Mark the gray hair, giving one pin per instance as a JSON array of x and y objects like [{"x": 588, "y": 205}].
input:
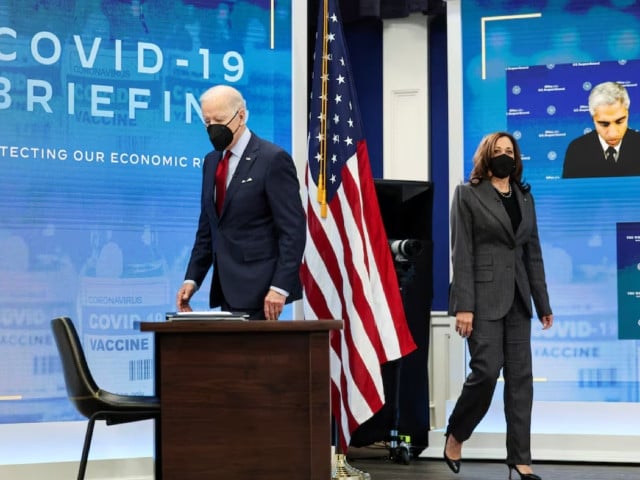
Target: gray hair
[
  {"x": 233, "y": 97},
  {"x": 608, "y": 93}
]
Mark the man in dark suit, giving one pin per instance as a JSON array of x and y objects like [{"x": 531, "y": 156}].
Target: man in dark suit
[
  {"x": 612, "y": 150},
  {"x": 253, "y": 231}
]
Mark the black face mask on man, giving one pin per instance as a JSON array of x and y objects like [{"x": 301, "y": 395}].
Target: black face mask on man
[
  {"x": 221, "y": 135},
  {"x": 502, "y": 166}
]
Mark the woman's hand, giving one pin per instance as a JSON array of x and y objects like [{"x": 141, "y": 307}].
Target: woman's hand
[
  {"x": 547, "y": 321},
  {"x": 464, "y": 323}
]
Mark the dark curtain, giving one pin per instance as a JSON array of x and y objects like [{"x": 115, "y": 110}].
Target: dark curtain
[
  {"x": 403, "y": 8},
  {"x": 352, "y": 10}
]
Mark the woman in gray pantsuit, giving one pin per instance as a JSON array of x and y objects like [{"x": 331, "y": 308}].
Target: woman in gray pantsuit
[{"x": 497, "y": 270}]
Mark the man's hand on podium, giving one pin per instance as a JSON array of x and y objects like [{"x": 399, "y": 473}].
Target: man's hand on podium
[
  {"x": 273, "y": 305},
  {"x": 184, "y": 295}
]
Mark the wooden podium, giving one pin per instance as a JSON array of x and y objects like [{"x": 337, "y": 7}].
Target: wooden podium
[{"x": 243, "y": 399}]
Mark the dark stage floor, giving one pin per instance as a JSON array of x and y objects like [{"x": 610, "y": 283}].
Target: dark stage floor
[{"x": 375, "y": 461}]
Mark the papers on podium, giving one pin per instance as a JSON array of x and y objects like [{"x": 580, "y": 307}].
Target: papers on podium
[{"x": 206, "y": 315}]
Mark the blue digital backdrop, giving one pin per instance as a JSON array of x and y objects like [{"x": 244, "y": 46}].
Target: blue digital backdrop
[
  {"x": 531, "y": 76},
  {"x": 101, "y": 148}
]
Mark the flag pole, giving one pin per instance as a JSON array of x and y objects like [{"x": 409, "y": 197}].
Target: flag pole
[{"x": 322, "y": 177}]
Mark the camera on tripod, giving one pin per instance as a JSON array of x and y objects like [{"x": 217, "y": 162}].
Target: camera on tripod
[{"x": 406, "y": 250}]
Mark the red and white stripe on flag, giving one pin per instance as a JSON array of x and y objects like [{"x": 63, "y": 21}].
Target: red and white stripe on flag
[{"x": 347, "y": 272}]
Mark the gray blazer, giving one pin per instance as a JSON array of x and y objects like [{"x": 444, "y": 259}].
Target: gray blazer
[{"x": 490, "y": 260}]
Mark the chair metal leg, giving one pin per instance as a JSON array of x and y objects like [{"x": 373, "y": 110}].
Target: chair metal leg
[
  {"x": 85, "y": 448},
  {"x": 158, "y": 449}
]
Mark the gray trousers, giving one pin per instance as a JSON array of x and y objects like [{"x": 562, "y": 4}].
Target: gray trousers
[{"x": 493, "y": 345}]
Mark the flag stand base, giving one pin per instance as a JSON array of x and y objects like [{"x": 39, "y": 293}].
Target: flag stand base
[{"x": 344, "y": 471}]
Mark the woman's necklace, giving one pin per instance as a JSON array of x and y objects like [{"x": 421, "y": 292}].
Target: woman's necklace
[{"x": 505, "y": 194}]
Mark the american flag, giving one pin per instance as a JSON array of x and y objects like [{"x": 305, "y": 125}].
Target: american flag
[{"x": 348, "y": 272}]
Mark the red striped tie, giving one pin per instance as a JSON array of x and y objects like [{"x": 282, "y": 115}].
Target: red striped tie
[{"x": 221, "y": 181}]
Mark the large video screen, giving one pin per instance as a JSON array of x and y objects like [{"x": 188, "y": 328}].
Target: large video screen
[
  {"x": 101, "y": 150},
  {"x": 547, "y": 108},
  {"x": 531, "y": 75}
]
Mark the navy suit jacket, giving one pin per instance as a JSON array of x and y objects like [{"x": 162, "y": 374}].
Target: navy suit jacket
[
  {"x": 259, "y": 238},
  {"x": 585, "y": 157},
  {"x": 489, "y": 259}
]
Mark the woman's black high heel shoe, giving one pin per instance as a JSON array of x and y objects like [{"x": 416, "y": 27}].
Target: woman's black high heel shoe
[
  {"x": 523, "y": 476},
  {"x": 454, "y": 465}
]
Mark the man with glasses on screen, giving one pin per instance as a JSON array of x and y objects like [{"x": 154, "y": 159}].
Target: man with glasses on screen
[
  {"x": 252, "y": 225},
  {"x": 612, "y": 150}
]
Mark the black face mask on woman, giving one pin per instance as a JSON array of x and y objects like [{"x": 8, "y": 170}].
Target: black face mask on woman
[
  {"x": 502, "y": 166},
  {"x": 221, "y": 135}
]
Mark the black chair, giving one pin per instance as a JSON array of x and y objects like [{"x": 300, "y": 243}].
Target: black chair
[{"x": 91, "y": 401}]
